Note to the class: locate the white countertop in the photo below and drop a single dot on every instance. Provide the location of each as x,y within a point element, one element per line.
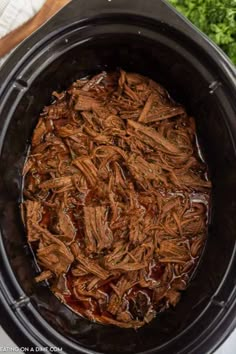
<point>229,347</point>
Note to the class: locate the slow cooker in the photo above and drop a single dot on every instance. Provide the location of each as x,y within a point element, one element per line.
<point>150,38</point>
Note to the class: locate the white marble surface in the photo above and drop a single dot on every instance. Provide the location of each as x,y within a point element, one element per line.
<point>13,13</point>
<point>229,347</point>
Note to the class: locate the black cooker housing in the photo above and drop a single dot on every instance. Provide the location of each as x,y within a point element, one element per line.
<point>148,37</point>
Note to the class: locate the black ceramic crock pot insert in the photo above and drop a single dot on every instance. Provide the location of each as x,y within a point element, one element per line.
<point>148,37</point>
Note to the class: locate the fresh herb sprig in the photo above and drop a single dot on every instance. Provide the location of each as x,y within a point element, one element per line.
<point>216,18</point>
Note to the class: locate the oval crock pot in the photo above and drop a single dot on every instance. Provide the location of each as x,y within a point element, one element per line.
<point>148,37</point>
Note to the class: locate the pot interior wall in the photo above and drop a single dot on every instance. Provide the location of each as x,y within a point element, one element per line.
<point>188,84</point>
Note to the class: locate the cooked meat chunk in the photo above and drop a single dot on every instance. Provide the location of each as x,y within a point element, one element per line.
<point>151,137</point>
<point>98,235</point>
<point>33,214</point>
<point>54,258</point>
<point>47,274</point>
<point>173,251</point>
<point>66,227</point>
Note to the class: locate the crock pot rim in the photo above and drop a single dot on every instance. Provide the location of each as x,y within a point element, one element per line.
<point>8,75</point>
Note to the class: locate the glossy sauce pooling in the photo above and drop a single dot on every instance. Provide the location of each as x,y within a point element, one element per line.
<point>116,198</point>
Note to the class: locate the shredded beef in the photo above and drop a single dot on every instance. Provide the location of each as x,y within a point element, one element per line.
<point>116,198</point>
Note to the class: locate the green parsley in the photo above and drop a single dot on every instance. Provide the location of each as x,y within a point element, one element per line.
<point>216,18</point>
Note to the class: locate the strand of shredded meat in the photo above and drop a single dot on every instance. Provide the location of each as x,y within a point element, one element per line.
<point>116,198</point>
